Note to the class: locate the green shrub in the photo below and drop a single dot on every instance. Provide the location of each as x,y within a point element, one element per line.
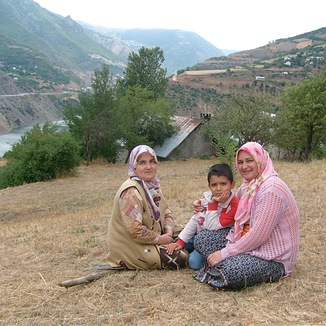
<point>43,153</point>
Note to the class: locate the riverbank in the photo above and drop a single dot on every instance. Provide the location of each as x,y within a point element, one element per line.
<point>7,140</point>
<point>26,110</point>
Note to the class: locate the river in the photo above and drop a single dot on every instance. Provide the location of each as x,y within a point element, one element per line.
<point>7,140</point>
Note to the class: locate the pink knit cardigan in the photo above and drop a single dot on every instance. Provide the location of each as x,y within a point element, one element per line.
<point>274,226</point>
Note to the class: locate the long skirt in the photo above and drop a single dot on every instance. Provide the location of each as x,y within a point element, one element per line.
<point>236,272</point>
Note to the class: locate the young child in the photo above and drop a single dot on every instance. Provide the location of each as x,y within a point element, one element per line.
<point>219,205</point>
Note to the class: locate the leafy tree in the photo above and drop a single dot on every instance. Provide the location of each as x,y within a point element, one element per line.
<point>43,153</point>
<point>143,108</point>
<point>225,150</point>
<point>133,112</point>
<point>93,121</point>
<point>243,118</point>
<point>301,123</point>
<point>145,69</point>
<point>145,120</point>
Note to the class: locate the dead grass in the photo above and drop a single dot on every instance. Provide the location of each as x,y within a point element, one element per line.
<point>53,231</point>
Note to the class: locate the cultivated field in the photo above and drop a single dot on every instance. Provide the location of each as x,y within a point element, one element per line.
<point>54,231</point>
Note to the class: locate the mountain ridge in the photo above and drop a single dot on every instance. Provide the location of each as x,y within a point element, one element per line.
<point>267,69</point>
<point>180,47</point>
<point>51,58</point>
<point>43,52</point>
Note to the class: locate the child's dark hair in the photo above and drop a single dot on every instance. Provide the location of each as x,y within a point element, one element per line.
<point>219,170</point>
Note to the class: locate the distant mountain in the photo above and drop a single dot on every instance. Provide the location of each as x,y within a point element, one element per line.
<point>181,49</point>
<point>53,48</point>
<point>45,58</point>
<point>303,50</point>
<point>43,54</point>
<point>61,51</point>
<point>267,69</point>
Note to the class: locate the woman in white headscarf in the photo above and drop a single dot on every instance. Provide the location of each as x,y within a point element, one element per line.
<point>141,222</point>
<point>263,244</point>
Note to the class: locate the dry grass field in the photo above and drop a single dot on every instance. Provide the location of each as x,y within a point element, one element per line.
<point>54,231</point>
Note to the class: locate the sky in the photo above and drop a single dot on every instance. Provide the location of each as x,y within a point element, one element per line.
<point>232,25</point>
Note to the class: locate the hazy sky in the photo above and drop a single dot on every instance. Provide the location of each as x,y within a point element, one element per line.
<point>227,24</point>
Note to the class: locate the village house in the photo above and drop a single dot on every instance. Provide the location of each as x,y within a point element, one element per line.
<point>188,141</point>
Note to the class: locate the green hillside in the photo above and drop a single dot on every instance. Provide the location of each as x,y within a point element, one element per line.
<point>53,57</point>
<point>41,46</point>
<point>267,69</point>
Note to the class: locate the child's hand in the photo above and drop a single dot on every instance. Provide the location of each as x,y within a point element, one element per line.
<point>173,247</point>
<point>222,198</point>
<point>198,207</point>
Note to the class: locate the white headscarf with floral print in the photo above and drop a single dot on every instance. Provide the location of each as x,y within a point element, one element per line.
<point>151,187</point>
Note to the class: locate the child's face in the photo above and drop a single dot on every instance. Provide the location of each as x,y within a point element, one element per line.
<point>220,185</point>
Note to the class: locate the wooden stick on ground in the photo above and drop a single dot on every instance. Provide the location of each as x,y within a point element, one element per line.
<point>83,280</point>
<point>103,270</point>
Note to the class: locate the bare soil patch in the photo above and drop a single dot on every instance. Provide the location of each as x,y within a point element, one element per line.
<point>54,231</point>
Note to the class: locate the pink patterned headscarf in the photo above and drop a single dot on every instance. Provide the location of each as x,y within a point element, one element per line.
<point>151,187</point>
<point>250,188</point>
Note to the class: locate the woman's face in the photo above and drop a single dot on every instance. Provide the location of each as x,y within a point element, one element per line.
<point>146,167</point>
<point>247,166</point>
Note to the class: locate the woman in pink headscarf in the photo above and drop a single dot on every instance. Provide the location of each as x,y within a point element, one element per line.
<point>141,222</point>
<point>263,244</point>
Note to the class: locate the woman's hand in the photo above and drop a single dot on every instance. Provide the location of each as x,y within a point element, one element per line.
<point>164,239</point>
<point>214,258</point>
<point>173,247</point>
<point>169,232</point>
